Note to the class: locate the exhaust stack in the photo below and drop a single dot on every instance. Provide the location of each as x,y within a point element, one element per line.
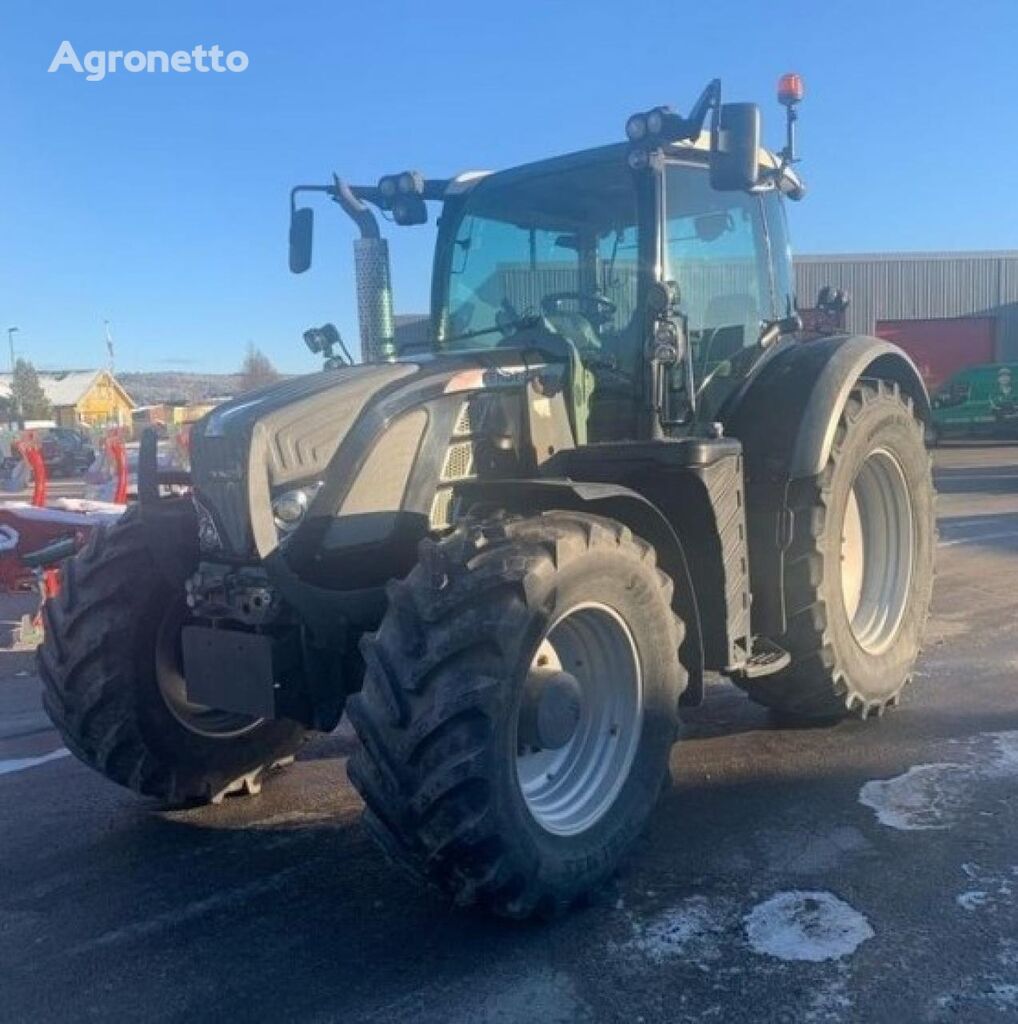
<point>374,299</point>
<point>373,276</point>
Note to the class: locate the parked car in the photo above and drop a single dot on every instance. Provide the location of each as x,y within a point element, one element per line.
<point>66,452</point>
<point>979,401</point>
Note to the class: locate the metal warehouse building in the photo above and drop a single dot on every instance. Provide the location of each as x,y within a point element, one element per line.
<point>948,310</point>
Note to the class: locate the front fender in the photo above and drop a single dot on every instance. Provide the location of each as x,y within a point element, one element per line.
<point>786,415</point>
<point>627,506</point>
<point>856,357</point>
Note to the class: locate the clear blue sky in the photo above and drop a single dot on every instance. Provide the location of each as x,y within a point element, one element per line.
<point>160,201</point>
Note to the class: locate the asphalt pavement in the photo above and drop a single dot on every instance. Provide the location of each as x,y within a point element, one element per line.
<point>862,872</point>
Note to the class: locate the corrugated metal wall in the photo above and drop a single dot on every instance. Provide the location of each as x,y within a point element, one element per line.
<point>899,286</point>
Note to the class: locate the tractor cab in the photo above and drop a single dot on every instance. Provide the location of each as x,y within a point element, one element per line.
<point>622,269</point>
<point>657,269</point>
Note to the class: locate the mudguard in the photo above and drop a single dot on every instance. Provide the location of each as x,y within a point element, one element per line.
<point>785,415</point>
<point>626,506</point>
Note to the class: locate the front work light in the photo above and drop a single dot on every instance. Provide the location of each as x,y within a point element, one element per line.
<point>411,183</point>
<point>388,185</point>
<point>638,159</point>
<point>636,127</point>
<point>790,89</point>
<point>656,120</point>
<point>408,210</point>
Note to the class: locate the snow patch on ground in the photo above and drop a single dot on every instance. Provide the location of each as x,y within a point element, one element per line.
<point>692,928</point>
<point>972,900</point>
<point>995,888</point>
<point>932,796</point>
<point>995,989</point>
<point>830,1003</point>
<point>923,798</point>
<point>19,764</point>
<point>811,926</point>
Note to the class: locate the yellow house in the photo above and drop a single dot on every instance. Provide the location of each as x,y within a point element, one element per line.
<point>90,398</point>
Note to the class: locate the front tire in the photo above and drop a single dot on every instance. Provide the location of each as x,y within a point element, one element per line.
<point>860,570</point>
<point>112,683</point>
<point>459,787</point>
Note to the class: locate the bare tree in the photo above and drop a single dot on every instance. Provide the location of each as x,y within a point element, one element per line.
<point>257,370</point>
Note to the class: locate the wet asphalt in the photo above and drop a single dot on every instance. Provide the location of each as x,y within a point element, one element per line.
<point>866,871</point>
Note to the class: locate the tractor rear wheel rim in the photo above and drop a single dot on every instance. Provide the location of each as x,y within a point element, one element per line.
<point>212,723</point>
<point>877,551</point>
<point>569,789</point>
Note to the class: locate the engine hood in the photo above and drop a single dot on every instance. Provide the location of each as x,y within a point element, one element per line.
<point>295,427</point>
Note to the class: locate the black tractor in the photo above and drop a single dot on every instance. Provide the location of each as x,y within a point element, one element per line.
<point>514,545</point>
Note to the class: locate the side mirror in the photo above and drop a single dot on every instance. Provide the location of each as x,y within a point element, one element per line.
<point>302,220</point>
<point>735,149</point>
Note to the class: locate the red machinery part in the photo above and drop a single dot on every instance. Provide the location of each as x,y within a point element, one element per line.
<point>117,451</point>
<point>28,448</point>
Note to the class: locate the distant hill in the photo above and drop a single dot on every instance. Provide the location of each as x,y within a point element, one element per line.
<point>170,386</point>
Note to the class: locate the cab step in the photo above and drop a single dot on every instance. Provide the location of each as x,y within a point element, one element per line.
<point>765,659</point>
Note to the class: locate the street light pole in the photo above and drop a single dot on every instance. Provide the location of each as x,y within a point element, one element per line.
<point>15,404</point>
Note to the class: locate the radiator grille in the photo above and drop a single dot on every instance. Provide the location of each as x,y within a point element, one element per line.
<point>442,509</point>
<point>464,426</point>
<point>459,461</point>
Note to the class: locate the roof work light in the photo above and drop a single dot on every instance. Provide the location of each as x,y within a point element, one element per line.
<point>411,183</point>
<point>388,185</point>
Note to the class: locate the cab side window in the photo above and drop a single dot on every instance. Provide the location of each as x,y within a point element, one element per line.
<point>717,252</point>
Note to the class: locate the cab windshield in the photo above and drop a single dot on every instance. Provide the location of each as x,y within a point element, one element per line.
<point>561,245</point>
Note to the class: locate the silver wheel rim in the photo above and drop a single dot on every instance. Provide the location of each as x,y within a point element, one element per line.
<point>211,723</point>
<point>877,551</point>
<point>568,790</point>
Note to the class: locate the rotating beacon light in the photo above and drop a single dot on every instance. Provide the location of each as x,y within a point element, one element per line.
<point>790,93</point>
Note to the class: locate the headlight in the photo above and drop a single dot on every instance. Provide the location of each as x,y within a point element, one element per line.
<point>208,533</point>
<point>290,507</point>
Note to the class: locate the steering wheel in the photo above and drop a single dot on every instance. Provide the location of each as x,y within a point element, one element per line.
<point>593,306</point>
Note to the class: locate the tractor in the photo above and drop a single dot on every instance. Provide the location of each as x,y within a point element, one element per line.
<point>514,546</point>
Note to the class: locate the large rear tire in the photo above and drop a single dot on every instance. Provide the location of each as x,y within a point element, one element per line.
<point>113,687</point>
<point>518,709</point>
<point>860,572</point>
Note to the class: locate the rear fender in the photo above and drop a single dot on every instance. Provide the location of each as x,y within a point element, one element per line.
<point>786,415</point>
<point>626,506</point>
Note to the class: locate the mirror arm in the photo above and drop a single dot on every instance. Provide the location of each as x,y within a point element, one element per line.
<point>305,188</point>
<point>354,207</point>
<point>709,102</point>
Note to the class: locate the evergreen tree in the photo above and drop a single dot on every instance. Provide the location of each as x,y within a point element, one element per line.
<point>27,397</point>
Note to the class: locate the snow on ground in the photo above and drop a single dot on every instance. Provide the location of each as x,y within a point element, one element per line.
<point>793,926</point>
<point>934,796</point>
<point>692,929</point>
<point>812,926</point>
<point>19,764</point>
